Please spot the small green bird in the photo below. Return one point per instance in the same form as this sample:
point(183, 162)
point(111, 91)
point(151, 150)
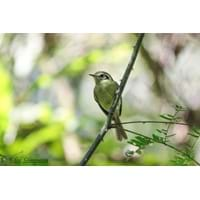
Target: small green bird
point(104, 93)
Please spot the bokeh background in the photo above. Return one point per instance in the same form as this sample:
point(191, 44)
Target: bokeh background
point(47, 110)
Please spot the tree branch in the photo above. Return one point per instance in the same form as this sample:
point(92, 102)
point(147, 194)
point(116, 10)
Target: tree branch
point(107, 124)
point(151, 122)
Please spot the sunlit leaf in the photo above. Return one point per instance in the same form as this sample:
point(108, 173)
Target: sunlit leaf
point(45, 114)
point(6, 101)
point(37, 138)
point(44, 81)
point(95, 56)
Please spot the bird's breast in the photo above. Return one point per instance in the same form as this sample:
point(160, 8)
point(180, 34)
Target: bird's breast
point(105, 92)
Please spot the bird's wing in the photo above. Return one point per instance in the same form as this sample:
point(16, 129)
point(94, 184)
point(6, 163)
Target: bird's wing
point(96, 99)
point(105, 111)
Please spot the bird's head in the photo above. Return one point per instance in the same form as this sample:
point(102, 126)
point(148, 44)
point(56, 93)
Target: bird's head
point(101, 76)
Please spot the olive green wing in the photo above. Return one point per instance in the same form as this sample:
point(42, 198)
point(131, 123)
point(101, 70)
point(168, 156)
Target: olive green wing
point(96, 99)
point(105, 111)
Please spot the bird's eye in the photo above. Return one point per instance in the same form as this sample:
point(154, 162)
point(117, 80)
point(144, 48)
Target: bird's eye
point(104, 76)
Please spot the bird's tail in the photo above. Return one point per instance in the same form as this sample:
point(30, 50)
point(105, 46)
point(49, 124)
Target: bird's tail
point(121, 134)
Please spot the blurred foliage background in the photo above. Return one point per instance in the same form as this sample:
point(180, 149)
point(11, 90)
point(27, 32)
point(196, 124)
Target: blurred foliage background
point(47, 110)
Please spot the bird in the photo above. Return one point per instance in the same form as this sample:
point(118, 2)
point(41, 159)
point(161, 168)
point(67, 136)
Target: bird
point(104, 92)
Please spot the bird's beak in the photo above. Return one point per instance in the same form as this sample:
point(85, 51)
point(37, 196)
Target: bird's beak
point(93, 75)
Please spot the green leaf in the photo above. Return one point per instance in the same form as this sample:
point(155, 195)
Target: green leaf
point(44, 81)
point(139, 151)
point(163, 131)
point(144, 140)
point(157, 138)
point(37, 138)
point(196, 130)
point(158, 130)
point(171, 116)
point(179, 108)
point(166, 117)
point(181, 160)
point(170, 135)
point(140, 141)
point(137, 143)
point(5, 98)
point(193, 135)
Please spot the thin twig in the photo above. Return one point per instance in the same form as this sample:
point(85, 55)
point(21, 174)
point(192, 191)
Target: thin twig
point(116, 99)
point(152, 122)
point(169, 125)
point(164, 143)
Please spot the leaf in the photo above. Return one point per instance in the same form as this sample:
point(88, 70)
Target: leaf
point(181, 160)
point(166, 117)
point(44, 81)
point(139, 151)
point(171, 116)
point(196, 130)
point(140, 141)
point(144, 140)
point(157, 138)
point(193, 135)
point(137, 143)
point(158, 130)
point(170, 135)
point(47, 134)
point(163, 131)
point(179, 108)
point(5, 97)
